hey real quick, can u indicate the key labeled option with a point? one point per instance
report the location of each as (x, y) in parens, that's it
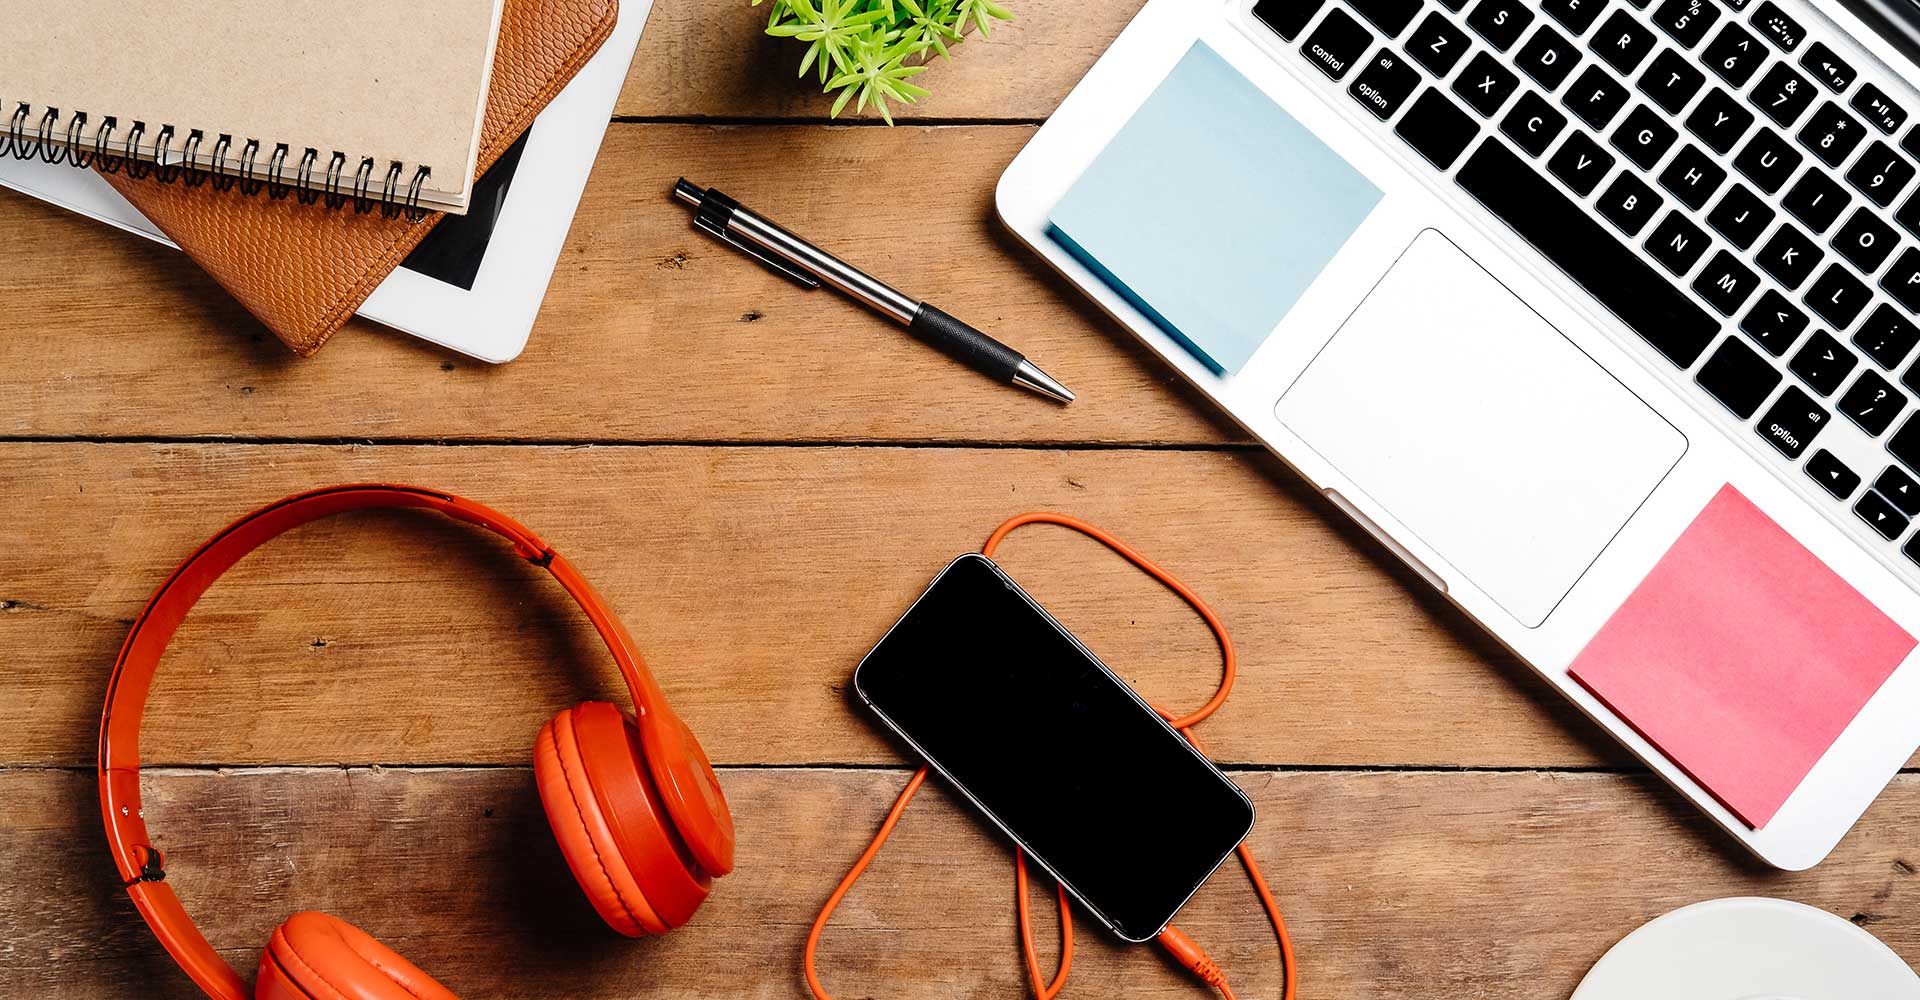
(1385, 84)
(1792, 422)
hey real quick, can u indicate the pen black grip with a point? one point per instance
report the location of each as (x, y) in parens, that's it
(964, 343)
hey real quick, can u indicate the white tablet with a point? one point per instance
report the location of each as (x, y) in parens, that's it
(475, 283)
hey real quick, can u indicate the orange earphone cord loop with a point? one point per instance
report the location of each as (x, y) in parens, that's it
(1176, 943)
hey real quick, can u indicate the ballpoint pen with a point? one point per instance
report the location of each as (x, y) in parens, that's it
(809, 267)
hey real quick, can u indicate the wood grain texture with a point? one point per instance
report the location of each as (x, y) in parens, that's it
(754, 578)
(650, 332)
(713, 58)
(1492, 886)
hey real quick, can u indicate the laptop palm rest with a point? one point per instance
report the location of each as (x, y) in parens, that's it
(1480, 428)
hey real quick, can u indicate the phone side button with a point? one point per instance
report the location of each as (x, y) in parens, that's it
(1346, 506)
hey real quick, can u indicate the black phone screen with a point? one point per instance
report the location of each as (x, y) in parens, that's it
(1054, 748)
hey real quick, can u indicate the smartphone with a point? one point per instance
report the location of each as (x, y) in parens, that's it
(1052, 748)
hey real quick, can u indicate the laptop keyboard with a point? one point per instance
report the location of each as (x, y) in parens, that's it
(1725, 183)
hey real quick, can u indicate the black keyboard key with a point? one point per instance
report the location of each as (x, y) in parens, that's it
(1774, 323)
(1880, 515)
(1832, 474)
(1686, 20)
(1719, 120)
(1644, 136)
(1576, 15)
(1832, 134)
(1595, 97)
(1782, 94)
(1871, 402)
(1693, 177)
(1887, 337)
(1905, 443)
(1900, 489)
(1336, 44)
(1437, 44)
(1629, 203)
(1837, 296)
(1879, 109)
(1909, 215)
(1532, 123)
(1740, 216)
(1676, 243)
(1822, 363)
(1623, 42)
(1390, 16)
(1738, 377)
(1614, 274)
(1671, 81)
(1384, 86)
(1287, 18)
(1912, 548)
(1789, 256)
(1485, 84)
(1792, 422)
(1725, 283)
(1911, 141)
(1902, 281)
(1767, 160)
(1827, 67)
(1547, 57)
(1880, 174)
(1500, 22)
(1581, 163)
(1816, 200)
(1734, 55)
(1865, 241)
(1436, 128)
(1777, 27)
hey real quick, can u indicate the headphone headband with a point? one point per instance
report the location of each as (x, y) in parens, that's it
(139, 863)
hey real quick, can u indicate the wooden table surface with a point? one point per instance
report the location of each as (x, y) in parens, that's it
(759, 479)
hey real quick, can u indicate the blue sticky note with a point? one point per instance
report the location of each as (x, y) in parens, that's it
(1212, 210)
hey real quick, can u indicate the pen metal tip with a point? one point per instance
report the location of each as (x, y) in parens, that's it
(1029, 376)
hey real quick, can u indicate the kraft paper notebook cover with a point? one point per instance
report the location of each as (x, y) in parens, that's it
(303, 269)
(388, 93)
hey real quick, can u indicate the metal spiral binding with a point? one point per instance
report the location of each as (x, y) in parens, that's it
(26, 139)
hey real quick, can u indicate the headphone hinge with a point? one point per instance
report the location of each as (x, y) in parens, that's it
(151, 861)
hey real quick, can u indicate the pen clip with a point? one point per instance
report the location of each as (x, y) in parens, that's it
(716, 210)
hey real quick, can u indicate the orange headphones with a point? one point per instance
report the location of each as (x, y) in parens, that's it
(631, 798)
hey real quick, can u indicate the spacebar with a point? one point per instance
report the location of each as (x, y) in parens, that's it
(1609, 271)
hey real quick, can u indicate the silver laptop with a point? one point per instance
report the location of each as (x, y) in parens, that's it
(1625, 254)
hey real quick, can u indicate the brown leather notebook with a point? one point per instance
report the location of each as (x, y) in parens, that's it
(304, 268)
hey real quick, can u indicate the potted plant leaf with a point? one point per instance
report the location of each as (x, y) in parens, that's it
(869, 50)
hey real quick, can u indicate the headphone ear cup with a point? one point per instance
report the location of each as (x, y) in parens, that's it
(316, 957)
(586, 839)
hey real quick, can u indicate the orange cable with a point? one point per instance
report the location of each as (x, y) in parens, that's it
(1172, 939)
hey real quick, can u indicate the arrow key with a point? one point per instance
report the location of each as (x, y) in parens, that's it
(1880, 515)
(1900, 488)
(1832, 474)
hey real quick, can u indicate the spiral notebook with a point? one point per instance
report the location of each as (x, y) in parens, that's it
(381, 106)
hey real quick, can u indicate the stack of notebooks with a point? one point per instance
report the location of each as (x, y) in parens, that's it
(296, 156)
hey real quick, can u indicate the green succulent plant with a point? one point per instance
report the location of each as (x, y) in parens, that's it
(869, 50)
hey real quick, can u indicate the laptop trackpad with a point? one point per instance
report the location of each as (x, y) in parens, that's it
(1491, 436)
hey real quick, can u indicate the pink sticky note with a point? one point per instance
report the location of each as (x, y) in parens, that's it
(1741, 657)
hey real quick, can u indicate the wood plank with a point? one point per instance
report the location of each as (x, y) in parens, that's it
(1483, 885)
(650, 331)
(714, 59)
(754, 577)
